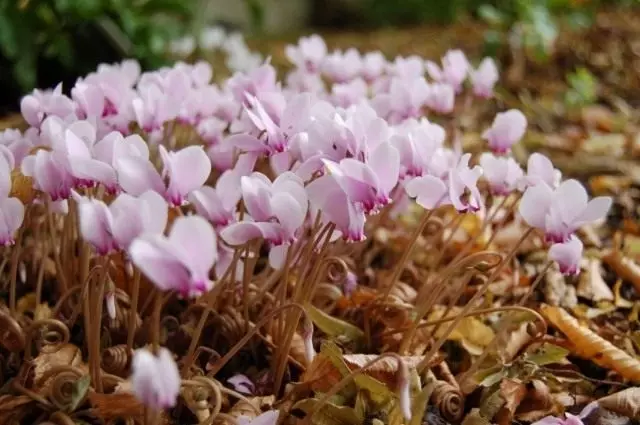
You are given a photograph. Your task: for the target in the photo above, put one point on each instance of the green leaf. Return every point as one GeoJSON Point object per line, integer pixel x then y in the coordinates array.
{"type": "Point", "coordinates": [79, 392]}
{"type": "Point", "coordinates": [334, 327]}
{"type": "Point", "coordinates": [488, 377]}
{"type": "Point", "coordinates": [24, 71]}
{"type": "Point", "coordinates": [547, 354]}
{"type": "Point", "coordinates": [492, 15]}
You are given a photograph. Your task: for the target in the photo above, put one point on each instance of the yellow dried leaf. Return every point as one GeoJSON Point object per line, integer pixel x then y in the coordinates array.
{"type": "Point", "coordinates": [42, 312]}
{"type": "Point", "coordinates": [26, 303]}
{"type": "Point", "coordinates": [471, 332]}
{"type": "Point", "coordinates": [625, 402]}
{"type": "Point", "coordinates": [591, 346]}
{"type": "Point", "coordinates": [328, 414]}
{"type": "Point", "coordinates": [592, 286]}
{"type": "Point", "coordinates": [334, 327]}
{"type": "Point", "coordinates": [22, 187]}
{"type": "Point", "coordinates": [625, 267]}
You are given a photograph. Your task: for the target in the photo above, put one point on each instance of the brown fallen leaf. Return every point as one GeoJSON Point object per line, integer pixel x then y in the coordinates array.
{"type": "Point", "coordinates": [625, 267]}
{"type": "Point", "coordinates": [537, 403]}
{"type": "Point", "coordinates": [116, 406]}
{"type": "Point", "coordinates": [556, 290]}
{"type": "Point", "coordinates": [587, 344]}
{"type": "Point", "coordinates": [512, 392]}
{"type": "Point", "coordinates": [625, 402]}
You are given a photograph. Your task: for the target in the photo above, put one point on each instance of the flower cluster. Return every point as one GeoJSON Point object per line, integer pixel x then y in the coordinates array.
{"type": "Point", "coordinates": [179, 174]}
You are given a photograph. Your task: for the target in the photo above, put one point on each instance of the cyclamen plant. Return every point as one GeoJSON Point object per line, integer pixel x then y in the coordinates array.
{"type": "Point", "coordinates": [178, 182]}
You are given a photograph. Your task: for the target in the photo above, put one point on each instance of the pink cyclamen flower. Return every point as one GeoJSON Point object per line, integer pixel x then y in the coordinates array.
{"type": "Point", "coordinates": [503, 174]}
{"type": "Point", "coordinates": [441, 98]}
{"type": "Point", "coordinates": [185, 171]}
{"type": "Point", "coordinates": [561, 212]}
{"type": "Point", "coordinates": [454, 69]}
{"type": "Point", "coordinates": [507, 129]}
{"type": "Point", "coordinates": [429, 191]}
{"type": "Point", "coordinates": [11, 209]}
{"type": "Point", "coordinates": [463, 190]}
{"type": "Point", "coordinates": [35, 107]}
{"type": "Point", "coordinates": [242, 384]}
{"type": "Point", "coordinates": [182, 261]}
{"type": "Point", "coordinates": [540, 170]}
{"type": "Point", "coordinates": [484, 78]}
{"type": "Point", "coordinates": [373, 65]}
{"type": "Point", "coordinates": [267, 418]}
{"type": "Point", "coordinates": [308, 54]}
{"type": "Point", "coordinates": [155, 378]}
{"type": "Point", "coordinates": [567, 255]}
{"type": "Point", "coordinates": [570, 419]}
{"type": "Point", "coordinates": [218, 204]}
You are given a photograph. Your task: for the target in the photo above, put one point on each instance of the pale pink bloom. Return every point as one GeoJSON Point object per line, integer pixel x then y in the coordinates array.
{"type": "Point", "coordinates": [570, 419]}
{"type": "Point", "coordinates": [373, 66]}
{"type": "Point", "coordinates": [155, 378]}
{"type": "Point", "coordinates": [454, 69]}
{"type": "Point", "coordinates": [561, 212]}
{"type": "Point", "coordinates": [96, 224]}
{"type": "Point", "coordinates": [35, 107]}
{"type": "Point", "coordinates": [218, 205]}
{"type": "Point", "coordinates": [152, 108]}
{"type": "Point", "coordinates": [211, 130]}
{"type": "Point", "coordinates": [184, 171]}
{"type": "Point", "coordinates": [269, 417]}
{"type": "Point", "coordinates": [441, 98]}
{"type": "Point", "coordinates": [90, 100]}
{"type": "Point", "coordinates": [308, 54]}
{"type": "Point", "coordinates": [350, 283]}
{"type": "Point", "coordinates": [180, 262]}
{"type": "Point", "coordinates": [502, 173]}
{"type": "Point", "coordinates": [540, 170]}
{"type": "Point", "coordinates": [404, 390]}
{"type": "Point", "coordinates": [17, 143]}
{"type": "Point", "coordinates": [307, 337]}
{"type": "Point", "coordinates": [368, 183]}
{"type": "Point", "coordinates": [114, 146]}
{"type": "Point", "coordinates": [277, 210]}
{"type": "Point", "coordinates": [410, 67]}
{"type": "Point", "coordinates": [110, 303]}
{"type": "Point", "coordinates": [49, 173]}
{"type": "Point", "coordinates": [259, 80]}
{"type": "Point", "coordinates": [404, 100]}
{"type": "Point", "coordinates": [417, 142]}
{"type": "Point", "coordinates": [567, 255]}
{"type": "Point", "coordinates": [347, 94]}
{"type": "Point", "coordinates": [300, 81]}
{"type": "Point", "coordinates": [484, 78]}
{"type": "Point", "coordinates": [341, 67]}
{"type": "Point", "coordinates": [507, 129]}
{"type": "Point", "coordinates": [463, 190]}
{"type": "Point", "coordinates": [242, 384]}
{"type": "Point", "coordinates": [429, 191]}
{"type": "Point", "coordinates": [11, 217]}
{"type": "Point", "coordinates": [326, 196]}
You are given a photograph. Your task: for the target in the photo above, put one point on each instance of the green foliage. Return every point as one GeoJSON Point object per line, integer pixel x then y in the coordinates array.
{"type": "Point", "coordinates": [55, 30]}
{"type": "Point", "coordinates": [583, 89]}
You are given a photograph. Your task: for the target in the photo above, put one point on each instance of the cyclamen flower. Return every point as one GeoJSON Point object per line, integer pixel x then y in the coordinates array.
{"type": "Point", "coordinates": [502, 174]}
{"type": "Point", "coordinates": [218, 205]}
{"type": "Point", "coordinates": [507, 129]}
{"type": "Point", "coordinates": [567, 255]}
{"type": "Point", "coordinates": [463, 192]}
{"type": "Point", "coordinates": [155, 378]}
{"type": "Point", "coordinates": [429, 191]}
{"type": "Point", "coordinates": [540, 170]}
{"type": "Point", "coordinates": [117, 225]}
{"type": "Point", "coordinates": [182, 261]}
{"type": "Point", "coordinates": [277, 211]}
{"type": "Point", "coordinates": [11, 209]}
{"type": "Point", "coordinates": [308, 54]}
{"type": "Point", "coordinates": [561, 212]}
{"type": "Point", "coordinates": [342, 67]}
{"type": "Point", "coordinates": [484, 78]}
{"type": "Point", "coordinates": [242, 384]}
{"type": "Point", "coordinates": [35, 107]}
{"type": "Point", "coordinates": [441, 98]}
{"type": "Point", "coordinates": [185, 171]}
{"type": "Point", "coordinates": [454, 69]}
{"type": "Point", "coordinates": [373, 65]}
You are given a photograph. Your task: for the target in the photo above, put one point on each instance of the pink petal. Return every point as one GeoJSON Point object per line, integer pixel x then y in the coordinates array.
{"type": "Point", "coordinates": [385, 162]}
{"type": "Point", "coordinates": [288, 211]}
{"type": "Point", "coordinates": [155, 212]}
{"type": "Point", "coordinates": [267, 418]}
{"type": "Point", "coordinates": [570, 200]}
{"type": "Point", "coordinates": [535, 204]}
{"type": "Point", "coordinates": [429, 191]}
{"type": "Point", "coordinates": [596, 209]}
{"type": "Point", "coordinates": [237, 234]}
{"type": "Point", "coordinates": [189, 169]}
{"type": "Point", "coordinates": [195, 240]}
{"type": "Point", "coordinates": [136, 175]}
{"type": "Point", "coordinates": [156, 258]}
{"type": "Point", "coordinates": [11, 217]}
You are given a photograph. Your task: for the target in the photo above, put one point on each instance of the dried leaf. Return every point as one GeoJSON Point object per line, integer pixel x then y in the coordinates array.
{"type": "Point", "coordinates": [537, 404]}
{"type": "Point", "coordinates": [333, 327]}
{"type": "Point", "coordinates": [625, 267]}
{"type": "Point", "coordinates": [625, 402]}
{"type": "Point", "coordinates": [42, 312]}
{"type": "Point", "coordinates": [22, 187]}
{"type": "Point", "coordinates": [65, 355]}
{"type": "Point", "coordinates": [512, 392]}
{"type": "Point", "coordinates": [556, 290]}
{"type": "Point", "coordinates": [11, 402]}
{"type": "Point", "coordinates": [475, 418]}
{"type": "Point", "coordinates": [591, 346]}
{"type": "Point", "coordinates": [592, 286]}
{"type": "Point", "coordinates": [515, 341]}
{"type": "Point", "coordinates": [328, 414]}
{"type": "Point", "coordinates": [116, 405]}
{"type": "Point", "coordinates": [248, 409]}
{"type": "Point", "coordinates": [471, 332]}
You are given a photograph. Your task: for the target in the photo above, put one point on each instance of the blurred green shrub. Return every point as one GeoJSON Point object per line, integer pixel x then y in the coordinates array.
{"type": "Point", "coordinates": [76, 34]}
{"type": "Point", "coordinates": [583, 89]}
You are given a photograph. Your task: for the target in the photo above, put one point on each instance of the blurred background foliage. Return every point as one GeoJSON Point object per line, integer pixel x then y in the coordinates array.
{"type": "Point", "coordinates": [43, 42]}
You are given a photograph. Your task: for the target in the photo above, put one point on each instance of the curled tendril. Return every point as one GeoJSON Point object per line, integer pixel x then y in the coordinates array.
{"type": "Point", "coordinates": [116, 360]}
{"type": "Point", "coordinates": [449, 400]}
{"type": "Point", "coordinates": [49, 333]}
{"type": "Point", "coordinates": [336, 269]}
{"type": "Point", "coordinates": [68, 306]}
{"type": "Point", "coordinates": [61, 387]}
{"type": "Point", "coordinates": [433, 227]}
{"type": "Point", "coordinates": [12, 336]}
{"type": "Point", "coordinates": [213, 390]}
{"type": "Point", "coordinates": [18, 387]}
{"type": "Point", "coordinates": [170, 323]}
{"type": "Point", "coordinates": [61, 418]}
{"type": "Point", "coordinates": [232, 325]}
